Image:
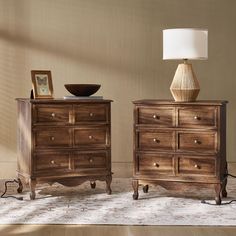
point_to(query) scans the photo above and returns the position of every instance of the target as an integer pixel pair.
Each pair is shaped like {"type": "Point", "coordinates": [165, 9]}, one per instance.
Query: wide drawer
{"type": "Point", "coordinates": [155, 140]}
{"type": "Point", "coordinates": [93, 160]}
{"type": "Point", "coordinates": [199, 116]}
{"type": "Point", "coordinates": [197, 141]}
{"type": "Point", "coordinates": [51, 162]}
{"type": "Point", "coordinates": [197, 165]}
{"type": "Point", "coordinates": [52, 137]}
{"type": "Point", "coordinates": [162, 117]}
{"type": "Point", "coordinates": [155, 164]}
{"type": "Point", "coordinates": [91, 113]}
{"type": "Point", "coordinates": [91, 137]}
{"type": "Point", "coordinates": [51, 114]}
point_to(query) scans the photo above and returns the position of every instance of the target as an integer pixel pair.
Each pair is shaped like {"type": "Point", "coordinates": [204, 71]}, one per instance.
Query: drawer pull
{"type": "Point", "coordinates": [52, 138]}
{"type": "Point", "coordinates": [156, 140]}
{"type": "Point", "coordinates": [156, 117]}
{"type": "Point", "coordinates": [197, 118]}
{"type": "Point", "coordinates": [52, 162]}
{"type": "Point", "coordinates": [90, 136]}
{"type": "Point", "coordinates": [155, 164]}
{"type": "Point", "coordinates": [91, 160]}
{"type": "Point", "coordinates": [197, 141]}
{"type": "Point", "coordinates": [90, 114]}
{"type": "Point", "coordinates": [53, 115]}
{"type": "Point", "coordinates": [196, 166]}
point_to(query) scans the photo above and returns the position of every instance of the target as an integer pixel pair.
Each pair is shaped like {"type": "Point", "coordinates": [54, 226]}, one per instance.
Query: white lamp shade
{"type": "Point", "coordinates": [185, 44]}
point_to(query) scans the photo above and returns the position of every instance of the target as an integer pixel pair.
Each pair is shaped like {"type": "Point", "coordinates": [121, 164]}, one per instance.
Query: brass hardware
{"type": "Point", "coordinates": [91, 160]}
{"type": "Point", "coordinates": [196, 166]}
{"type": "Point", "coordinates": [156, 117]}
{"type": "Point", "coordinates": [91, 114]}
{"type": "Point", "coordinates": [156, 140]}
{"type": "Point", "coordinates": [155, 164]}
{"type": "Point", "coordinates": [90, 136]}
{"type": "Point", "coordinates": [197, 118]}
{"type": "Point", "coordinates": [52, 138]}
{"type": "Point", "coordinates": [53, 114]}
{"type": "Point", "coordinates": [52, 162]}
{"type": "Point", "coordinates": [196, 141]}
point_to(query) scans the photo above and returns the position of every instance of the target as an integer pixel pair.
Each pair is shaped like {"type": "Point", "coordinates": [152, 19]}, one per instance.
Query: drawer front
{"type": "Point", "coordinates": [162, 117]}
{"type": "Point", "coordinates": [51, 114]}
{"type": "Point", "coordinates": [92, 137]}
{"type": "Point", "coordinates": [91, 113]}
{"type": "Point", "coordinates": [155, 164]}
{"type": "Point", "coordinates": [156, 140]}
{"type": "Point", "coordinates": [96, 160]}
{"type": "Point", "coordinates": [200, 116]}
{"type": "Point", "coordinates": [197, 142]}
{"type": "Point", "coordinates": [48, 138]}
{"type": "Point", "coordinates": [197, 165]}
{"type": "Point", "coordinates": [51, 162]}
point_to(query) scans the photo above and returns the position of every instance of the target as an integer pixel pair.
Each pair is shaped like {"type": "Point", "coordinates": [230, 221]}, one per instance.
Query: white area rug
{"type": "Point", "coordinates": [82, 205]}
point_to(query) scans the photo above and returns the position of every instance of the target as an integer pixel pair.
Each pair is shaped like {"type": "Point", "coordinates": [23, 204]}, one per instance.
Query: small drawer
{"type": "Point", "coordinates": [162, 117]}
{"type": "Point", "coordinates": [47, 138]}
{"type": "Point", "coordinates": [96, 160]}
{"type": "Point", "coordinates": [197, 141]}
{"type": "Point", "coordinates": [197, 165]}
{"type": "Point", "coordinates": [155, 164]}
{"type": "Point", "coordinates": [91, 113]}
{"type": "Point", "coordinates": [51, 114]}
{"type": "Point", "coordinates": [156, 140]}
{"type": "Point", "coordinates": [52, 161]}
{"type": "Point", "coordinates": [91, 137]}
{"type": "Point", "coordinates": [200, 116]}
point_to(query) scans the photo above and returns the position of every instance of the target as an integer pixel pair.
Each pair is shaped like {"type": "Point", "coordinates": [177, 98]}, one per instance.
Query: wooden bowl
{"type": "Point", "coordinates": [82, 89]}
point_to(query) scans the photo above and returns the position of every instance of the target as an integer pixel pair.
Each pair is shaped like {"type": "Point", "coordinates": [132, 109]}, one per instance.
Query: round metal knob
{"type": "Point", "coordinates": [53, 114]}
{"type": "Point", "coordinates": [90, 114]}
{"type": "Point", "coordinates": [91, 160]}
{"type": "Point", "coordinates": [52, 138]}
{"type": "Point", "coordinates": [196, 141]}
{"type": "Point", "coordinates": [196, 118]}
{"type": "Point", "coordinates": [155, 164]}
{"type": "Point", "coordinates": [52, 162]}
{"type": "Point", "coordinates": [196, 166]}
{"type": "Point", "coordinates": [156, 117]}
{"type": "Point", "coordinates": [90, 136]}
{"type": "Point", "coordinates": [156, 140]}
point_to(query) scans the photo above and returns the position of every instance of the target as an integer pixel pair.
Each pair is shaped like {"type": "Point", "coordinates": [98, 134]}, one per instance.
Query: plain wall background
{"type": "Point", "coordinates": [118, 44]}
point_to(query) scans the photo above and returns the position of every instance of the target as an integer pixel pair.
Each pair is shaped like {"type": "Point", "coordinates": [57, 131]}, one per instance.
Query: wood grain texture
{"type": "Point", "coordinates": [192, 151]}
{"type": "Point", "coordinates": [58, 144]}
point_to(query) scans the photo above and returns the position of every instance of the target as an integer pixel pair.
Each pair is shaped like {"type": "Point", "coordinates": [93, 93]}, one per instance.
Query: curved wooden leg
{"type": "Point", "coordinates": [135, 187]}
{"type": "Point", "coordinates": [218, 188]}
{"type": "Point", "coordinates": [224, 192]}
{"type": "Point", "coordinates": [32, 184]}
{"type": "Point", "coordinates": [108, 184]}
{"type": "Point", "coordinates": [93, 184]}
{"type": "Point", "coordinates": [145, 189]}
{"type": "Point", "coordinates": [20, 187]}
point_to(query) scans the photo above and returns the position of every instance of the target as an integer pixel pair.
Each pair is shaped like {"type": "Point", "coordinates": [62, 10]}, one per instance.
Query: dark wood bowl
{"type": "Point", "coordinates": [82, 89]}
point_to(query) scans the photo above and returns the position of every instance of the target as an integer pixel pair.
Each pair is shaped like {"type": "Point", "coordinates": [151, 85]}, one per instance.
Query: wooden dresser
{"type": "Point", "coordinates": [178, 145]}
{"type": "Point", "coordinates": [65, 141]}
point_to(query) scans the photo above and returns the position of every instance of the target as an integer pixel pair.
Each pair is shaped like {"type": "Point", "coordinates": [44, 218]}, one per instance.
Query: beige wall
{"type": "Point", "coordinates": [117, 43]}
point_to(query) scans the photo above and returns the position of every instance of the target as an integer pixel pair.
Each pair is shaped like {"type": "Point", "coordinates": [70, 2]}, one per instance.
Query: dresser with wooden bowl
{"type": "Point", "coordinates": [178, 145]}
{"type": "Point", "coordinates": [64, 141]}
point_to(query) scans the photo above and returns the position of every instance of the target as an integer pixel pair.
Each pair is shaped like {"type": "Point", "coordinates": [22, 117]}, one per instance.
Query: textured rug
{"type": "Point", "coordinates": [82, 205]}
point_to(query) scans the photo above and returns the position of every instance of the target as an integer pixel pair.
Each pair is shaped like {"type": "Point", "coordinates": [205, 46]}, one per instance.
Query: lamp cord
{"type": "Point", "coordinates": [224, 203]}
{"type": "Point", "coordinates": [5, 191]}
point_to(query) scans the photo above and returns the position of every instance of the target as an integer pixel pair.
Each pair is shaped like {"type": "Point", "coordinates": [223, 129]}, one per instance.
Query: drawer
{"type": "Point", "coordinates": [91, 137]}
{"type": "Point", "coordinates": [199, 116]}
{"type": "Point", "coordinates": [197, 141]}
{"type": "Point", "coordinates": [162, 117]}
{"type": "Point", "coordinates": [96, 160]}
{"type": "Point", "coordinates": [197, 165]}
{"type": "Point", "coordinates": [156, 140]}
{"type": "Point", "coordinates": [51, 114]}
{"type": "Point", "coordinates": [52, 137]}
{"type": "Point", "coordinates": [52, 161]}
{"type": "Point", "coordinates": [155, 164]}
{"type": "Point", "coordinates": [91, 113]}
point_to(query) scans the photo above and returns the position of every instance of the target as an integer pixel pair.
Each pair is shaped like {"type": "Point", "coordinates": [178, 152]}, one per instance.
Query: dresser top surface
{"type": "Point", "coordinates": [61, 100]}
{"type": "Point", "coordinates": [172, 102]}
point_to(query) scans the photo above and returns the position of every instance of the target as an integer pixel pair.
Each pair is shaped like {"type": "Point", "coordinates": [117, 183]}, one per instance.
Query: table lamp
{"type": "Point", "coordinates": [185, 44]}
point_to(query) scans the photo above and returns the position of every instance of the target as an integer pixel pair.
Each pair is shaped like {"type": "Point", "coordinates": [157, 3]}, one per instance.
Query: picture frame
{"type": "Point", "coordinates": [42, 84]}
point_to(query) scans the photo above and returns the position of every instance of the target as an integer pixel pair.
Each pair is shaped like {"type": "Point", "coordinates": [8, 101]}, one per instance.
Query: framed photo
{"type": "Point", "coordinates": [42, 84]}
